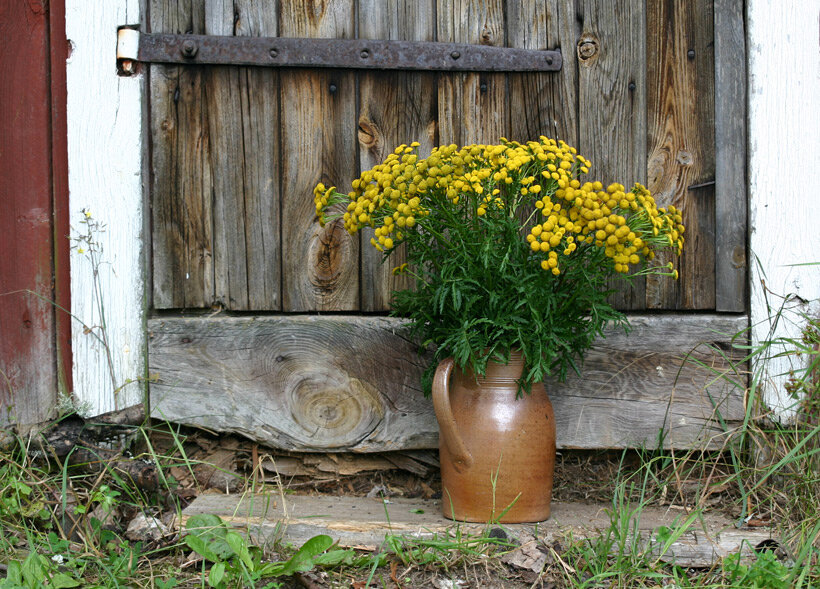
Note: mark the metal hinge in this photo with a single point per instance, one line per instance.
(133, 47)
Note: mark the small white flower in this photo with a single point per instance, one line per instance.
(58, 558)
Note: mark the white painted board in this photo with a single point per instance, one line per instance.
(104, 119)
(783, 44)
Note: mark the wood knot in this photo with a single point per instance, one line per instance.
(487, 37)
(332, 410)
(329, 252)
(739, 257)
(588, 49)
(368, 135)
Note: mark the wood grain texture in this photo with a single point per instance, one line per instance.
(680, 113)
(242, 110)
(223, 115)
(731, 197)
(28, 364)
(259, 91)
(544, 103)
(320, 265)
(364, 522)
(611, 52)
(298, 382)
(181, 198)
(105, 150)
(318, 383)
(473, 108)
(394, 108)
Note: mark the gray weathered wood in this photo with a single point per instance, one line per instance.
(543, 104)
(680, 113)
(473, 108)
(612, 103)
(394, 108)
(364, 522)
(298, 382)
(316, 383)
(730, 156)
(182, 236)
(259, 95)
(320, 265)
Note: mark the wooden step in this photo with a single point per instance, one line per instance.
(362, 522)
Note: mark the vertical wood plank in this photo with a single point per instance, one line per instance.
(394, 108)
(612, 102)
(320, 266)
(544, 103)
(28, 377)
(473, 107)
(59, 171)
(783, 159)
(731, 265)
(182, 215)
(680, 105)
(259, 88)
(105, 150)
(223, 105)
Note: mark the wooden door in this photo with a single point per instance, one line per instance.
(244, 278)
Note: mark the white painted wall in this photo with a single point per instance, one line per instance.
(784, 172)
(104, 176)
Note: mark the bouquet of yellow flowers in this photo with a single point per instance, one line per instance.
(510, 248)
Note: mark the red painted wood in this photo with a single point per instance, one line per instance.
(59, 172)
(28, 382)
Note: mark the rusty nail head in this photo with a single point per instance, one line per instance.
(549, 59)
(127, 66)
(365, 53)
(690, 54)
(455, 55)
(274, 52)
(189, 48)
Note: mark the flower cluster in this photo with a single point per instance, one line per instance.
(543, 178)
(510, 246)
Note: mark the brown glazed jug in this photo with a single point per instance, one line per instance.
(496, 451)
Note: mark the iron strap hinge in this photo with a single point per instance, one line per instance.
(133, 46)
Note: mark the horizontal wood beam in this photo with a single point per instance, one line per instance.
(351, 383)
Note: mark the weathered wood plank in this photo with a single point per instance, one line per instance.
(104, 115)
(680, 104)
(320, 266)
(28, 364)
(298, 382)
(364, 522)
(473, 108)
(394, 108)
(731, 265)
(315, 383)
(261, 141)
(228, 160)
(612, 103)
(182, 231)
(543, 104)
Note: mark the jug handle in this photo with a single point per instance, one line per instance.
(462, 459)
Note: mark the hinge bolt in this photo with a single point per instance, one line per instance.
(455, 55)
(189, 48)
